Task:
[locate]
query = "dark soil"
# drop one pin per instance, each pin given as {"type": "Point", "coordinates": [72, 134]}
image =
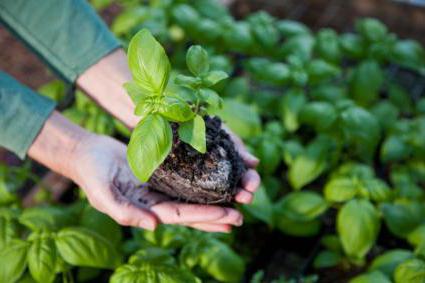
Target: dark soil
{"type": "Point", "coordinates": [212, 177]}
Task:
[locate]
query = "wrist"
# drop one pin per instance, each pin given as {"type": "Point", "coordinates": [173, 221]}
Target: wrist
{"type": "Point", "coordinates": [104, 83]}
{"type": "Point", "coordinates": [57, 145]}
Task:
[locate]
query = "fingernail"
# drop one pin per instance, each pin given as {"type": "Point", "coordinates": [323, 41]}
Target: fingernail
{"type": "Point", "coordinates": [251, 158]}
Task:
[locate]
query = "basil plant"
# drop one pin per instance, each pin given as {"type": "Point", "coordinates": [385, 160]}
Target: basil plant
{"type": "Point", "coordinates": [160, 102]}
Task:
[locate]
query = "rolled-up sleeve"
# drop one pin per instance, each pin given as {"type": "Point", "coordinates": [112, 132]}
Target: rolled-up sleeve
{"type": "Point", "coordinates": [22, 115]}
{"type": "Point", "coordinates": [67, 34]}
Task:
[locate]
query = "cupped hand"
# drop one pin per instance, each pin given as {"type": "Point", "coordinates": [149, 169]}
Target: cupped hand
{"type": "Point", "coordinates": [100, 168]}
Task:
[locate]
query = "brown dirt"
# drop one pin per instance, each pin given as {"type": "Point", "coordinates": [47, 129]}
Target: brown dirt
{"type": "Point", "coordinates": [212, 177]}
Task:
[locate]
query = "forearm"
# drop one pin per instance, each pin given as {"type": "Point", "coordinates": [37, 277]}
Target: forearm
{"type": "Point", "coordinates": [56, 144]}
{"type": "Point", "coordinates": [104, 83]}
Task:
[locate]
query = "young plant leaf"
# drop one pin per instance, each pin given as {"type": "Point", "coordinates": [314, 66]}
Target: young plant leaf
{"type": "Point", "coordinates": [13, 260]}
{"type": "Point", "coordinates": [197, 60]}
{"type": "Point", "coordinates": [410, 271]}
{"type": "Point", "coordinates": [358, 227]}
{"type": "Point", "coordinates": [148, 63]}
{"type": "Point", "coordinates": [42, 258]}
{"type": "Point", "coordinates": [214, 77]}
{"type": "Point", "coordinates": [135, 92]}
{"type": "Point", "coordinates": [388, 261]}
{"type": "Point", "coordinates": [83, 247]}
{"type": "Point", "coordinates": [176, 110]}
{"type": "Point", "coordinates": [149, 145]}
{"type": "Point", "coordinates": [193, 133]}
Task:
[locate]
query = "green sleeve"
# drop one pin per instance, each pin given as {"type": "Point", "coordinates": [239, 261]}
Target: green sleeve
{"type": "Point", "coordinates": [67, 34]}
{"type": "Point", "coordinates": [22, 115]}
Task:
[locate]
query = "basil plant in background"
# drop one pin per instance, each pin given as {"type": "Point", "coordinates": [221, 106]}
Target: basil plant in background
{"type": "Point", "coordinates": [159, 102]}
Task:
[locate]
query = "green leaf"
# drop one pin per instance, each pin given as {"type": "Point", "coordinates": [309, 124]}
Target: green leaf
{"type": "Point", "coordinates": [211, 98]}
{"type": "Point", "coordinates": [371, 277]}
{"type": "Point", "coordinates": [129, 19]}
{"type": "Point", "coordinates": [320, 70]}
{"type": "Point", "coordinates": [371, 29]}
{"type": "Point", "coordinates": [326, 259]}
{"type": "Point", "coordinates": [327, 45]}
{"type": "Point", "coordinates": [331, 242]}
{"type": "Point", "coordinates": [261, 206]}
{"type": "Point", "coordinates": [375, 189]}
{"type": "Point", "coordinates": [148, 63]}
{"type": "Point", "coordinates": [290, 28]}
{"type": "Point", "coordinates": [409, 53]}
{"type": "Point", "coordinates": [145, 107]}
{"type": "Point", "coordinates": [214, 77]}
{"type": "Point", "coordinates": [311, 163]}
{"type": "Point", "coordinates": [386, 113]}
{"type": "Point", "coordinates": [358, 227]}
{"type": "Point", "coordinates": [42, 258]}
{"type": "Point", "coordinates": [185, 15]}
{"type": "Point", "coordinates": [300, 45]}
{"type": "Point", "coordinates": [340, 189]}
{"type": "Point", "coordinates": [352, 45]}
{"type": "Point", "coordinates": [263, 28]}
{"type": "Point", "coordinates": [237, 36]}
{"type": "Point", "coordinates": [403, 218]}
{"type": "Point", "coordinates": [410, 271]}
{"type": "Point", "coordinates": [365, 82]}
{"type": "Point", "coordinates": [320, 115]}
{"type": "Point", "coordinates": [135, 92]}
{"type": "Point", "coordinates": [197, 60]}
{"type": "Point", "coordinates": [360, 129]}
{"type": "Point", "coordinates": [221, 262]}
{"type": "Point", "coordinates": [13, 260]}
{"type": "Point", "coordinates": [241, 118]}
{"type": "Point", "coordinates": [291, 104]}
{"type": "Point", "coordinates": [101, 223]}
{"type": "Point", "coordinates": [193, 133]}
{"type": "Point", "coordinates": [388, 261]}
{"type": "Point", "coordinates": [83, 247]}
{"type": "Point", "coordinates": [176, 110]}
{"type": "Point", "coordinates": [149, 145]}
{"type": "Point", "coordinates": [8, 231]}
{"type": "Point", "coordinates": [48, 218]}
{"type": "Point", "coordinates": [188, 81]}
{"type": "Point", "coordinates": [417, 236]}
{"type": "Point", "coordinates": [301, 206]}
{"type": "Point", "coordinates": [297, 228]}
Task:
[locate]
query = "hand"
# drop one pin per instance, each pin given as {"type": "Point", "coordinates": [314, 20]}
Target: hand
{"type": "Point", "coordinates": [100, 168]}
{"type": "Point", "coordinates": [251, 179]}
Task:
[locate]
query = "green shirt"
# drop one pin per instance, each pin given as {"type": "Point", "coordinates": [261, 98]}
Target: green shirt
{"type": "Point", "coordinates": [69, 36]}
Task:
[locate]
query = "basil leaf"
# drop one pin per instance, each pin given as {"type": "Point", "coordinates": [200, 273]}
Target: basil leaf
{"type": "Point", "coordinates": [211, 97]}
{"type": "Point", "coordinates": [320, 115]}
{"type": "Point", "coordinates": [410, 271]}
{"type": "Point", "coordinates": [237, 36]}
{"type": "Point", "coordinates": [13, 260]}
{"type": "Point", "coordinates": [352, 45]}
{"type": "Point", "coordinates": [365, 82]}
{"type": "Point", "coordinates": [297, 228]}
{"type": "Point", "coordinates": [340, 189]}
{"type": "Point", "coordinates": [144, 108]}
{"type": "Point", "coordinates": [371, 277]}
{"type": "Point", "coordinates": [358, 227]}
{"type": "Point", "coordinates": [214, 77]}
{"type": "Point", "coordinates": [188, 81]}
{"type": "Point", "coordinates": [311, 163]}
{"type": "Point", "coordinates": [360, 129]}
{"type": "Point", "coordinates": [129, 19]}
{"type": "Point", "coordinates": [290, 28]}
{"type": "Point", "coordinates": [290, 105]}
{"type": "Point", "coordinates": [185, 15]}
{"type": "Point", "coordinates": [48, 218]}
{"type": "Point", "coordinates": [149, 145]}
{"type": "Point", "coordinates": [403, 218]}
{"type": "Point", "coordinates": [241, 118]}
{"type": "Point", "coordinates": [197, 60]}
{"type": "Point", "coordinates": [320, 70]}
{"type": "Point", "coordinates": [135, 92]}
{"type": "Point", "coordinates": [301, 206]}
{"type": "Point", "coordinates": [8, 231]}
{"type": "Point", "coordinates": [148, 63]}
{"type": "Point", "coordinates": [83, 247]}
{"type": "Point", "coordinates": [388, 261]}
{"type": "Point", "coordinates": [261, 206]}
{"type": "Point", "coordinates": [326, 259]}
{"type": "Point", "coordinates": [417, 236]}
{"type": "Point", "coordinates": [371, 29]}
{"type": "Point", "coordinates": [409, 53]}
{"type": "Point", "coordinates": [327, 45]}
{"type": "Point", "coordinates": [176, 110]}
{"type": "Point", "coordinates": [193, 133]}
{"type": "Point", "coordinates": [263, 28]}
{"type": "Point", "coordinates": [42, 258]}
{"type": "Point", "coordinates": [375, 189]}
